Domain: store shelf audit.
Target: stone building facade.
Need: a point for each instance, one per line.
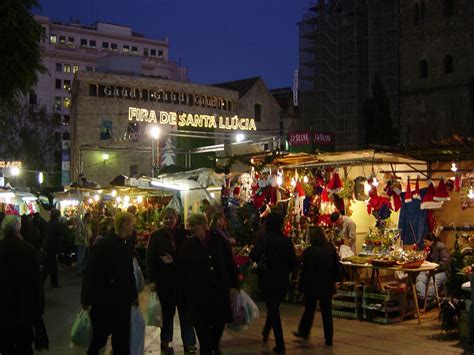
(436, 69)
(111, 116)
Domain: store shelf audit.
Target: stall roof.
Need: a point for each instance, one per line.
(339, 159)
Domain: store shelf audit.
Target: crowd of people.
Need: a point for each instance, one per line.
(191, 270)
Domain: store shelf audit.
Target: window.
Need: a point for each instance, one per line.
(90, 69)
(448, 7)
(423, 69)
(83, 42)
(92, 43)
(126, 48)
(57, 103)
(67, 86)
(160, 53)
(258, 112)
(59, 67)
(105, 45)
(153, 52)
(33, 99)
(132, 128)
(134, 50)
(62, 39)
(105, 129)
(66, 136)
(70, 40)
(43, 33)
(53, 39)
(113, 46)
(67, 102)
(145, 52)
(58, 84)
(75, 68)
(66, 120)
(417, 13)
(448, 64)
(67, 68)
(134, 170)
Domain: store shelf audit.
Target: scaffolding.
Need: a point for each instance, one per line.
(335, 74)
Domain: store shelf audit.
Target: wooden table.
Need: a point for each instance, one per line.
(410, 284)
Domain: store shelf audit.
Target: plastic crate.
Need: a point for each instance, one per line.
(356, 313)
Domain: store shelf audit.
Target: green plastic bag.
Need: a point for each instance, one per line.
(81, 332)
(154, 315)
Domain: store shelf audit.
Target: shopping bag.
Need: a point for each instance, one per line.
(81, 332)
(139, 279)
(252, 313)
(153, 311)
(137, 332)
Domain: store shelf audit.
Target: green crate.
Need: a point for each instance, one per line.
(388, 295)
(355, 314)
(381, 307)
(382, 320)
(344, 293)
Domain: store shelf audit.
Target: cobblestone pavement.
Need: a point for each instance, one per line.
(350, 336)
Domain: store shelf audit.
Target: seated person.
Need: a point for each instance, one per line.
(438, 253)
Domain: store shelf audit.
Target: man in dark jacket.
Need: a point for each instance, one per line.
(109, 288)
(163, 247)
(21, 300)
(55, 234)
(278, 254)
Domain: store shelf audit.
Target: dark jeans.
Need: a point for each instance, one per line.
(273, 298)
(51, 267)
(110, 319)
(325, 305)
(16, 341)
(169, 303)
(209, 335)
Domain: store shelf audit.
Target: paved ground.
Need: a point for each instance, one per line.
(351, 336)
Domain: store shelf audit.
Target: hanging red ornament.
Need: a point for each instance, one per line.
(335, 184)
(416, 194)
(408, 195)
(457, 182)
(397, 202)
(441, 193)
(428, 202)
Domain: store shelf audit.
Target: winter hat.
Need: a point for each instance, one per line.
(428, 202)
(416, 194)
(335, 184)
(408, 196)
(441, 193)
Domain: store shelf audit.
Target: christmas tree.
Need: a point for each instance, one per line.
(169, 154)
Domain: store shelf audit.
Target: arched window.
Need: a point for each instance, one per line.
(448, 64)
(258, 112)
(422, 10)
(417, 13)
(423, 69)
(448, 7)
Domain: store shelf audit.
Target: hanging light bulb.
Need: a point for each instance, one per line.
(96, 198)
(375, 182)
(279, 180)
(293, 182)
(471, 193)
(367, 188)
(305, 179)
(454, 168)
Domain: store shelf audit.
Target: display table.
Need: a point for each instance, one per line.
(410, 284)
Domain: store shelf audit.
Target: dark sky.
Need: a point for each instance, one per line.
(218, 40)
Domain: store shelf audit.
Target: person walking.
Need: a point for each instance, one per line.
(218, 226)
(206, 283)
(278, 254)
(320, 272)
(163, 247)
(21, 298)
(55, 234)
(106, 227)
(109, 289)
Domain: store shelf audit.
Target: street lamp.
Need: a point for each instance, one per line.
(239, 137)
(15, 171)
(154, 132)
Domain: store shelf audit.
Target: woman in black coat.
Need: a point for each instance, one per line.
(320, 272)
(207, 278)
(163, 247)
(279, 253)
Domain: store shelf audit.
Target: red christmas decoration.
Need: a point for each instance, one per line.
(457, 182)
(441, 193)
(408, 195)
(416, 194)
(428, 202)
(335, 184)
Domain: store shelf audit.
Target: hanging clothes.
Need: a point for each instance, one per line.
(413, 221)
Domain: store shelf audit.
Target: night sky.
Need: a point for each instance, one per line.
(218, 40)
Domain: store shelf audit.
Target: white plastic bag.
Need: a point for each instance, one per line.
(345, 251)
(137, 332)
(154, 316)
(252, 312)
(139, 279)
(244, 310)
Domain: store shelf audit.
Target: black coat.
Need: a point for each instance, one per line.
(205, 280)
(109, 277)
(55, 234)
(21, 295)
(320, 270)
(281, 260)
(164, 276)
(218, 240)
